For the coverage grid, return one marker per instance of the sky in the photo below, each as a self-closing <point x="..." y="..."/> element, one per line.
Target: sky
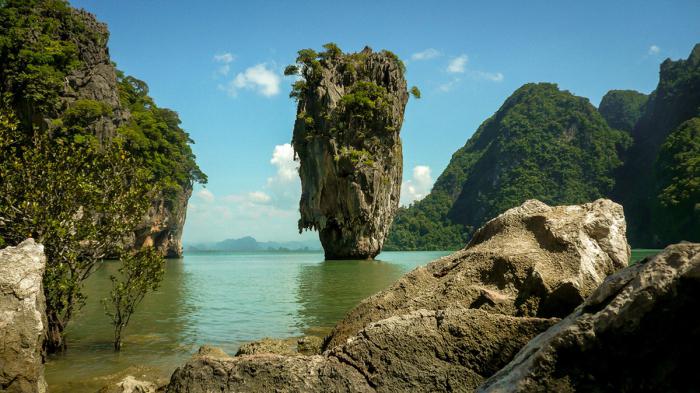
<point x="219" y="65"/>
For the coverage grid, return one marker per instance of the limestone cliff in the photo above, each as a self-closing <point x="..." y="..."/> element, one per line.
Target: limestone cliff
<point x="22" y="318"/>
<point x="346" y="135"/>
<point x="162" y="228"/>
<point x="57" y="75"/>
<point x="97" y="80"/>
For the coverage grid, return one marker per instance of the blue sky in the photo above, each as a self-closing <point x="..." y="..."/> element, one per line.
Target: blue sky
<point x="219" y="64"/>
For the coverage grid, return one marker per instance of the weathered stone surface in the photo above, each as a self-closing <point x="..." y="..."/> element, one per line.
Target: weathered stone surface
<point x="285" y="346"/>
<point x="306" y="345"/>
<point x="532" y="260"/>
<point x="424" y="351"/>
<point x="97" y="78"/>
<point x="266" y="373"/>
<point x="130" y="385"/>
<point x="22" y="318"/>
<point x="439" y="350"/>
<point x="163" y="226"/>
<point x="638" y="332"/>
<point x="350" y="155"/>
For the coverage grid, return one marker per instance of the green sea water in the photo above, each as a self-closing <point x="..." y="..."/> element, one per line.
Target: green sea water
<point x="223" y="299"/>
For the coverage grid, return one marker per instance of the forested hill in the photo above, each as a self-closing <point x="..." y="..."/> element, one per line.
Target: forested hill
<point x="542" y="143"/>
<point x="622" y="108"/>
<point x="659" y="184"/>
<point x="548" y="144"/>
<point x="57" y="78"/>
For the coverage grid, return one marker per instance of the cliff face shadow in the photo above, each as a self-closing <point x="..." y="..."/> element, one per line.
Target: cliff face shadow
<point x="328" y="290"/>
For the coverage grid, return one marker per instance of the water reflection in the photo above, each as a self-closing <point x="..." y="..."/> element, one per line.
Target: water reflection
<point x="223" y="299"/>
<point x="155" y="329"/>
<point x="327" y="290"/>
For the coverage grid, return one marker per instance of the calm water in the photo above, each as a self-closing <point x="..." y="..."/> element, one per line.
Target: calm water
<point x="224" y="299"/>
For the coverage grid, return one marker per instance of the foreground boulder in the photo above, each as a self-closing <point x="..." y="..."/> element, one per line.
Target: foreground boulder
<point x="452" y="324"/>
<point x="22" y="318"/>
<point x="638" y="332"/>
<point x="306" y="345"/>
<point x="532" y="260"/>
<point x="346" y="135"/>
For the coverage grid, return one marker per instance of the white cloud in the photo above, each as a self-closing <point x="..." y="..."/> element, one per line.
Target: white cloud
<point x="457" y="65"/>
<point x="654" y="50"/>
<point x="427" y="54"/>
<point x="445" y="87"/>
<point x="205" y="195"/>
<point x="258" y="78"/>
<point x="225" y="59"/>
<point x="489" y="76"/>
<point x="283" y="159"/>
<point x="268" y="213"/>
<point x="259" y="197"/>
<point x="418" y="186"/>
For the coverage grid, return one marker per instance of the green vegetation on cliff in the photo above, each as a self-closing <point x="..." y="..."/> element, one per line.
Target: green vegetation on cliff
<point x="664" y="152"/>
<point x="676" y="210"/>
<point x="154" y="135"/>
<point x="83" y="152"/>
<point x="542" y="143"/>
<point x="622" y="108"/>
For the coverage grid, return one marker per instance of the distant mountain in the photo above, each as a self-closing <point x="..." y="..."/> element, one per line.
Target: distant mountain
<point x="622" y="108"/>
<point x="249" y="243"/>
<point x="659" y="185"/>
<point x="641" y="151"/>
<point x="542" y="143"/>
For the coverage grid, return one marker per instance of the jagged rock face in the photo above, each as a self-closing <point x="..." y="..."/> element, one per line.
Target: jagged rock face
<point x="22" y="318"/>
<point x="636" y="333"/>
<point x="452" y="324"/>
<point x="350" y="154"/>
<point x="532" y="260"/>
<point x="453" y="349"/>
<point x="162" y="228"/>
<point x="96" y="79"/>
<point x="215" y="372"/>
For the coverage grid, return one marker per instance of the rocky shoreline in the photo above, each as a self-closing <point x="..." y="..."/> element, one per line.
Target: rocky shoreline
<point x="541" y="299"/>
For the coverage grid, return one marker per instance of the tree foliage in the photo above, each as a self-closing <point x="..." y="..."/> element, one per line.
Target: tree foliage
<point x="622" y="108"/>
<point x="676" y="212"/>
<point x="154" y="136"/>
<point x="80" y="194"/>
<point x="542" y="143"/>
<point x="80" y="201"/>
<point x="139" y="274"/>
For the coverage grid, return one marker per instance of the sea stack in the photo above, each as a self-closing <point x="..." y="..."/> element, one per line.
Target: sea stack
<point x="346" y="136"/>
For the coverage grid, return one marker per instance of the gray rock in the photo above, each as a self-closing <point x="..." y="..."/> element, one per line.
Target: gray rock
<point x="306" y="345"/>
<point x="452" y="324"/>
<point x="130" y="385"/>
<point x="351" y="162"/>
<point x="162" y="228"/>
<point x="22" y="318"/>
<point x="450" y="350"/>
<point x="266" y="373"/>
<point x="532" y="260"/>
<point x="638" y="332"/>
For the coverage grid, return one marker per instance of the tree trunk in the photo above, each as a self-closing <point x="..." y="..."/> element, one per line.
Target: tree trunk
<point x="117" y="340"/>
<point x="55" y="342"/>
